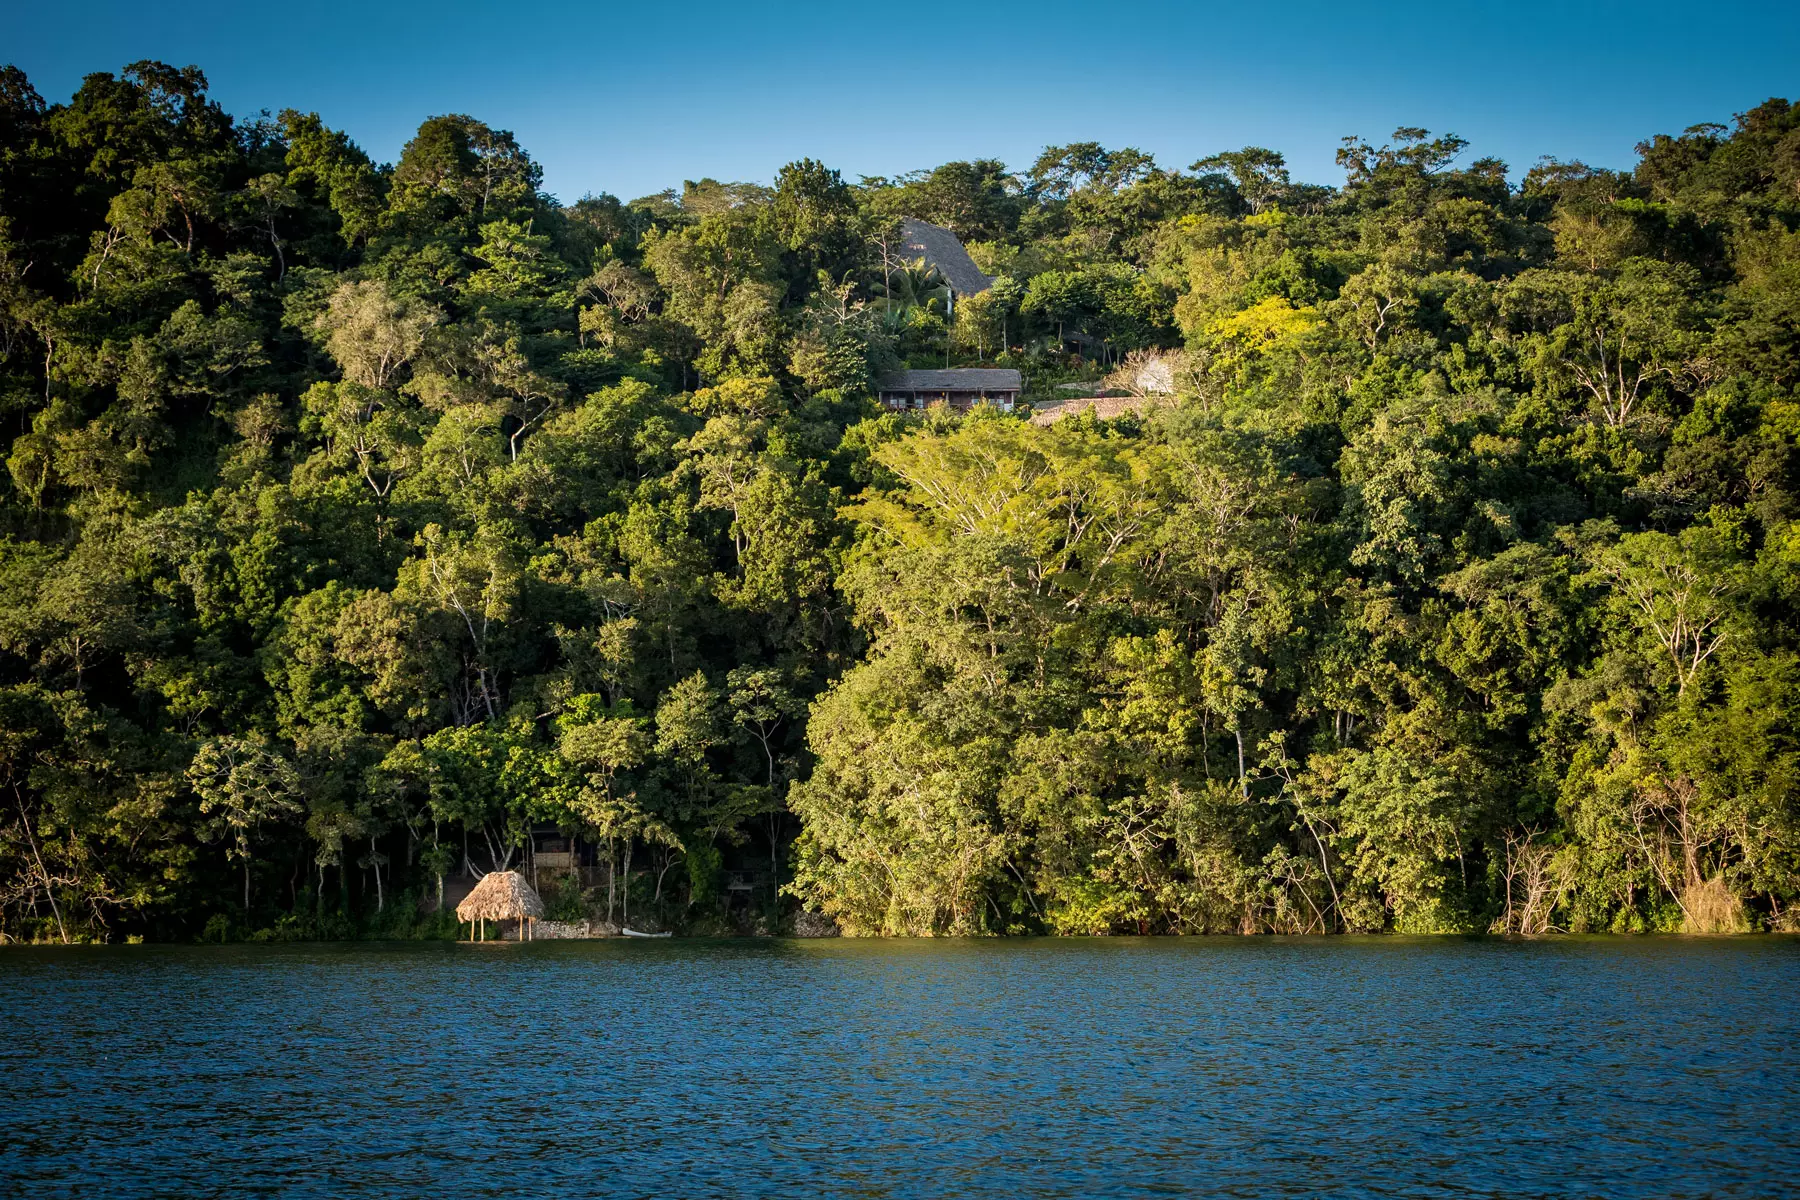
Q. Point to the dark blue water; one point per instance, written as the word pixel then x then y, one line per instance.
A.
pixel 1240 1067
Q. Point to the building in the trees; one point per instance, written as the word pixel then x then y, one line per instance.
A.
pixel 942 251
pixel 961 388
pixel 501 896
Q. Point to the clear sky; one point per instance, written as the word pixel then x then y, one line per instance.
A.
pixel 632 98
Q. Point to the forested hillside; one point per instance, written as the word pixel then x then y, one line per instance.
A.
pixel 359 519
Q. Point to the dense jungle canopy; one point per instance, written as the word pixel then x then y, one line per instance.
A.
pixel 359 519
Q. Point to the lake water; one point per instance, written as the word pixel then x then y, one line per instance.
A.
pixel 1231 1067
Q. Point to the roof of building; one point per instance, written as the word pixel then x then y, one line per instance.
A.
pixel 940 248
pixel 958 379
pixel 500 896
pixel 1105 408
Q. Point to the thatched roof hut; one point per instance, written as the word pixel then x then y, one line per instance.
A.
pixel 500 896
pixel 940 248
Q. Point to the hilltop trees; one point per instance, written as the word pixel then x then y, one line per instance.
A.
pixel 359 520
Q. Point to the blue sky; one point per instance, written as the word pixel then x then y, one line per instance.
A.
pixel 632 98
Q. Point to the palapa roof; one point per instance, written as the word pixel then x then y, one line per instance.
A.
pixel 500 896
pixel 956 379
pixel 1104 407
pixel 940 248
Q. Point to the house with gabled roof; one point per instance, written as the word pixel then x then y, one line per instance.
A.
pixel 942 250
pixel 961 388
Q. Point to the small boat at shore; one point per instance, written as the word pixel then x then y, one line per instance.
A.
pixel 635 933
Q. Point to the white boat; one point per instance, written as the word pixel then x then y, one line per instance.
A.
pixel 634 933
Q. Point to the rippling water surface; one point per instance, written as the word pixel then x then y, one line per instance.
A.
pixel 1241 1067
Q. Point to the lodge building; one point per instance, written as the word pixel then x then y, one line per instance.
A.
pixel 962 388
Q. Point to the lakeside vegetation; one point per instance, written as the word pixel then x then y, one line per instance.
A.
pixel 359 519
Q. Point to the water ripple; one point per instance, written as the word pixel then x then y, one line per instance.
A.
pixel 1232 1067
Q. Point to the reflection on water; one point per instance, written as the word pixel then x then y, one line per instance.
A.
pixel 1241 1067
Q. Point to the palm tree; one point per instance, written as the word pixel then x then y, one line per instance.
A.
pixel 914 286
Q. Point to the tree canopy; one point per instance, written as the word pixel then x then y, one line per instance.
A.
pixel 361 521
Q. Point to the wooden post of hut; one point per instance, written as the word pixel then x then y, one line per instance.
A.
pixel 501 896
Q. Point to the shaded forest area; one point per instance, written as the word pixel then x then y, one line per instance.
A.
pixel 360 519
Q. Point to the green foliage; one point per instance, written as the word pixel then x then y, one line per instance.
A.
pixel 364 526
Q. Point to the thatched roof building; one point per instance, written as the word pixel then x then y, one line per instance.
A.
pixel 500 896
pixel 1104 407
pixel 940 248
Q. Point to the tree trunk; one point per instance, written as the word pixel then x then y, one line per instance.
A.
pixel 612 877
pixel 49 887
pixel 774 826
pixel 668 861
pixel 625 891
pixel 774 860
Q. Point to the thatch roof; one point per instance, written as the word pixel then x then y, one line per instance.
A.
pixel 940 248
pixel 501 896
pixel 955 379
pixel 1104 407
